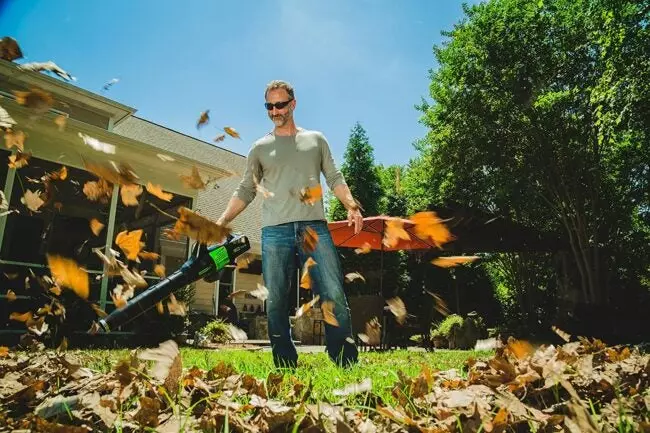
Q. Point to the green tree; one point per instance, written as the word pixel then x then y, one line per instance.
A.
pixel 360 173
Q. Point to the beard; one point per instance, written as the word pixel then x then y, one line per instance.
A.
pixel 280 119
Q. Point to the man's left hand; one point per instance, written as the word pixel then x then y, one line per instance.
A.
pixel 355 217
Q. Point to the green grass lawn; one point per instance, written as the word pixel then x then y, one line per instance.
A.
pixel 380 367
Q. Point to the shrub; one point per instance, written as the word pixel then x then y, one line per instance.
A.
pixel 443 329
pixel 217 331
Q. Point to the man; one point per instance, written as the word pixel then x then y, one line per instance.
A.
pixel 287 162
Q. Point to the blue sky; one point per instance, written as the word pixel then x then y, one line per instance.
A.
pixel 349 60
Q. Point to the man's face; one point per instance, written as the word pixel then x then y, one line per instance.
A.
pixel 280 116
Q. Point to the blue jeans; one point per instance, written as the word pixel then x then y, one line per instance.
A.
pixel 280 243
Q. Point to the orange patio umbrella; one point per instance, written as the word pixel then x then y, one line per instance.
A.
pixel 372 235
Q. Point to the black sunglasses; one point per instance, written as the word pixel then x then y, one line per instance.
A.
pixel 279 105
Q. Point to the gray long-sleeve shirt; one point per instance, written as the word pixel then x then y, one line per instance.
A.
pixel 284 165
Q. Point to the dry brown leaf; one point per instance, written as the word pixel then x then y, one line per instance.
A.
pixel 19 160
pixel 354 276
pixel 261 292
pixel 204 118
pixel 11 295
pixel 146 255
pixel 304 308
pixel 9 49
pixel 61 120
pixel 36 99
pixel 398 309
pixel 15 138
pixel 451 261
pixel 156 190
pixel 193 181
pixel 427 225
pixel 199 228
pixel 231 131
pixel 4 351
pixel 364 249
pixel 261 189
pixel 21 317
pixel 159 270
pixel 101 313
pixel 328 313
pixel 394 232
pixel 519 348
pixel 372 336
pixel 130 193
pixel 129 243
pixel 99 190
pixel 32 200
pixel 48 67
pixel 305 278
pixel 167 366
pixel 309 240
pixel 175 307
pixel 219 138
pixel 563 335
pixel 120 174
pixel 96 226
pixel 67 273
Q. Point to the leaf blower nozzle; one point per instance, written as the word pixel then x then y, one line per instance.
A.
pixel 205 262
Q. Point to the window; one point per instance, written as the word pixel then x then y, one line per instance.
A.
pixel 61 226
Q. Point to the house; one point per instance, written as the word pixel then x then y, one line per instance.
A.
pixel 64 134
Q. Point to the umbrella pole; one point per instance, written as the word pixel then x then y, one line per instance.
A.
pixel 381 272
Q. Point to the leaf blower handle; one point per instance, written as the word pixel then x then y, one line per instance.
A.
pixel 205 262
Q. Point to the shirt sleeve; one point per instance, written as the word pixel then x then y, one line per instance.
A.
pixel 333 175
pixel 246 190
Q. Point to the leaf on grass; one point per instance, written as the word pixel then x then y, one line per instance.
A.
pixel 231 131
pixel 19 160
pixel 309 240
pixel 129 243
pixel 67 273
pixel 193 181
pixel 304 308
pixel 427 225
pixel 356 388
pixel 354 276
pixel 130 193
pixel 204 118
pixel 147 414
pixel 15 138
pixel 394 232
pixel 4 351
pixel 364 249
pixel 199 228
pixel 398 309
pixel 36 99
pixel 156 190
pixel 305 279
pixel 328 313
pixel 451 261
pixel 96 226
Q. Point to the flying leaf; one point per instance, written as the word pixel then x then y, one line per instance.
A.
pixel 451 261
pixel 15 138
pixel 232 132
pixel 440 305
pixel 394 232
pixel 146 255
pixel 519 348
pixel 204 118
pixel 176 308
pixel 364 249
pixel 261 189
pixel 372 336
pixel 100 190
pixel 305 279
pixel 131 278
pixel 11 295
pixel 110 83
pixel 129 243
pixel 193 181
pixel 32 200
pixel 121 174
pixel 199 228
pixel 354 276
pixel 96 226
pixel 36 99
pixel 328 313
pixel 19 160
pixel 168 366
pixel 157 191
pixel 60 121
pixel 9 49
pixel 67 273
pixel 219 138
pixel 310 195
pixel 304 308
pixel 427 225
pixel 398 309
pixel 563 335
pixel 4 351
pixel 21 317
pixel 130 193
pixel 159 270
pixel 261 292
pixel 236 333
pixel 101 313
pixel 309 240
pixel 7 123
pixel 48 67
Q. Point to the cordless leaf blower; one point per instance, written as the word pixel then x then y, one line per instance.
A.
pixel 205 262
